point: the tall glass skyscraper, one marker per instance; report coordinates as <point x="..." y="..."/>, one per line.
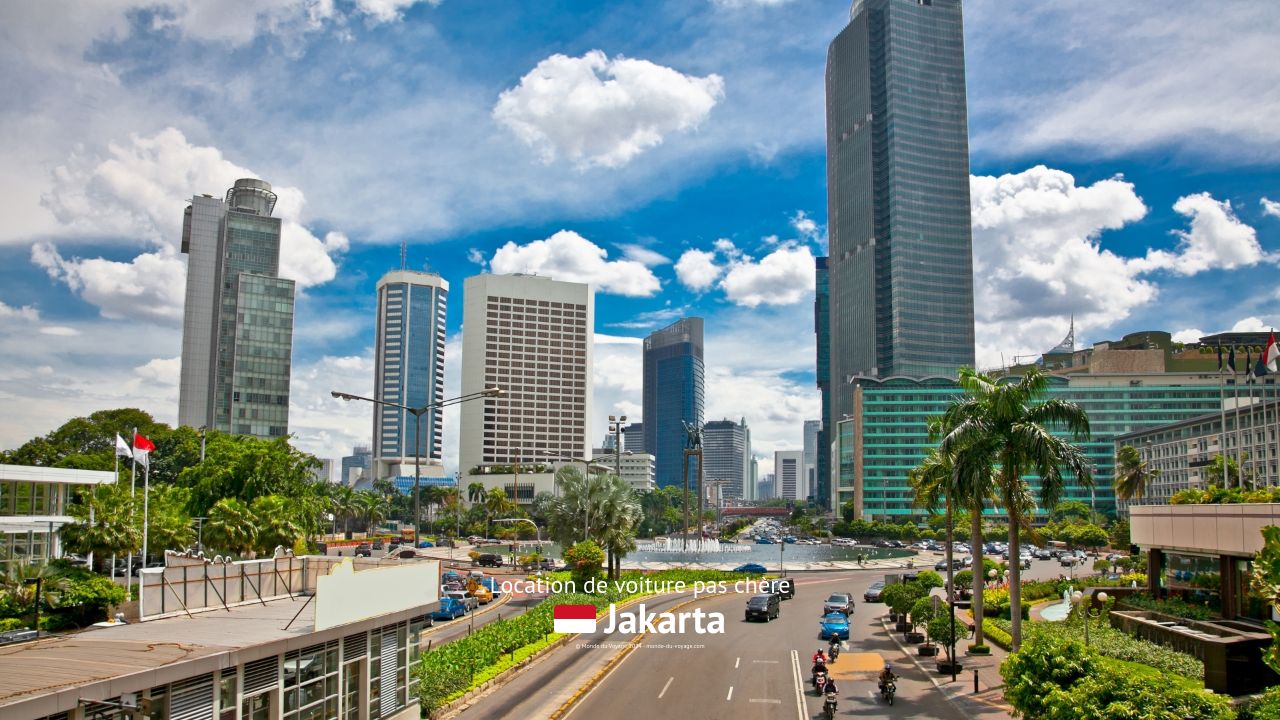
<point x="822" y="329"/>
<point x="726" y="445"/>
<point x="237" y="325"/>
<point x="673" y="394"/>
<point x="409" y="364"/>
<point x="900" y="265"/>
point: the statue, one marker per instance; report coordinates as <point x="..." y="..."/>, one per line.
<point x="693" y="433"/>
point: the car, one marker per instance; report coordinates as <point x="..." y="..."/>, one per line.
<point x="450" y="608"/>
<point x="492" y="585"/>
<point x="834" y="625"/>
<point x="452" y="576"/>
<point x="75" y="559"/>
<point x="756" y="568"/>
<point x="763" y="606"/>
<point x="137" y="568"/>
<point x="956" y="564"/>
<point x="482" y="594"/>
<point x="1068" y="560"/>
<point x="874" y="592"/>
<point x="1043" y="554"/>
<point x="426" y="544"/>
<point x="489" y="560"/>
<point x="364" y="549"/>
<point x="838" y="602"/>
<point x="784" y="588"/>
<point x="464" y="597"/>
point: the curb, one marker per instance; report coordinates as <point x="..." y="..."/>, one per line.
<point x="915" y="661"/>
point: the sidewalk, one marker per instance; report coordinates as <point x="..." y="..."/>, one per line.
<point x="986" y="704"/>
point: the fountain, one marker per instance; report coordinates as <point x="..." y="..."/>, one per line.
<point x="696" y="545"/>
<point x="1059" y="612"/>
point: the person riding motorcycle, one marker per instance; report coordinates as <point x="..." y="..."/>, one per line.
<point x="820" y="657"/>
<point x="828" y="685"/>
<point x="887" y="676"/>
<point x="833" y="648"/>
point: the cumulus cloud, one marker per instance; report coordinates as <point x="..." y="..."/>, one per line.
<point x="160" y="371"/>
<point x="384" y="11"/>
<point x="1189" y="335"/>
<point x="697" y="270"/>
<point x="595" y="111"/>
<point x="138" y="192"/>
<point x="782" y="277"/>
<point x="1217" y="240"/>
<point x="807" y="228"/>
<point x="59" y="331"/>
<point x="26" y="312"/>
<point x="475" y="256"/>
<point x="644" y="255"/>
<point x="1270" y="207"/>
<point x="567" y="255"/>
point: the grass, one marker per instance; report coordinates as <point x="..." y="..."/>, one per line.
<point x="507" y="662"/>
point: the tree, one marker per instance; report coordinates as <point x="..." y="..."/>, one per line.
<point x="584" y="560"/>
<point x="1265" y="583"/>
<point x="1119" y="534"/>
<point x="1007" y="429"/>
<point x="232" y="527"/>
<point x="1132" y="474"/>
<point x="276" y="522"/>
<point x="619" y="517"/>
<point x="1215" y="472"/>
<point x="113" y="531"/>
<point x="1071" y="511"/>
<point x="373" y="508"/>
<point x="169" y="526"/>
<point x="1088" y="535"/>
<point x="342" y="503"/>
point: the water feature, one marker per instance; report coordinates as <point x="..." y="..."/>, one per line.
<point x="1059" y="612"/>
<point x="696" y="546"/>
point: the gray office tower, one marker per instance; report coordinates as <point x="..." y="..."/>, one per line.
<point x="900" y="269"/>
<point x="237" y="325"/>
<point x="409" y="365"/>
<point x="673" y="394"/>
<point x="726" y="445"/>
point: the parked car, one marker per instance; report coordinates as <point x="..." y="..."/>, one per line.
<point x="834" y="625"/>
<point x="493" y="586"/>
<point x="547" y="564"/>
<point x="756" y="568"/>
<point x="956" y="564"/>
<point x="464" y="597"/>
<point x="489" y="560"/>
<point x="1043" y="554"/>
<point x="426" y="544"/>
<point x="838" y="602"/>
<point x="137" y="568"/>
<point x="1069" y="560"/>
<point x="784" y="588"/>
<point x="450" y="608"/>
<point x="874" y="592"/>
<point x="764" y="607"/>
<point x="481" y="593"/>
<point x="364" y="550"/>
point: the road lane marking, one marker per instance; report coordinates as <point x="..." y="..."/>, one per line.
<point x="766" y="700"/>
<point x="729" y="697"/>
<point x="736" y="662"/>
<point x="664" y="687"/>
<point x="799" y="683"/>
<point x="767" y="662"/>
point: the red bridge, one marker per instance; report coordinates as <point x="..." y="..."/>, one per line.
<point x="755" y="511"/>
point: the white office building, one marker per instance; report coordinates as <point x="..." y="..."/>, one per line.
<point x="788" y="470"/>
<point x="33" y="507"/>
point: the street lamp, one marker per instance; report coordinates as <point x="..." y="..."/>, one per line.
<point x="615" y="427"/>
<point x="991" y="576"/>
<point x="37" y="581"/>
<point x="417" y="449"/>
<point x="1077" y="598"/>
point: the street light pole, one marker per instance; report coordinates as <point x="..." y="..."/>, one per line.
<point x="417" y="450"/>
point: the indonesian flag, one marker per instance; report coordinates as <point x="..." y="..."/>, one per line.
<point x="142" y="448"/>
<point x="574" y="618"/>
<point x="122" y="447"/>
<point x="1270" y="353"/>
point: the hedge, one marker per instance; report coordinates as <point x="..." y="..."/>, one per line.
<point x="1113" y="643"/>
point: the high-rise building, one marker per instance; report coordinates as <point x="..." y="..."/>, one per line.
<point x="788" y="471"/>
<point x="753" y="485"/>
<point x="726" y="448"/>
<point x="811" y="429"/>
<point x="900" y="266"/>
<point x="409" y="369"/>
<point x="531" y="337"/>
<point x="822" y="329"/>
<point x="237" y="324"/>
<point x="356" y="466"/>
<point x="633" y="437"/>
<point x="673" y="396"/>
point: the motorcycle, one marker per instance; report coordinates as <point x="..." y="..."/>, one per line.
<point x="829" y="707"/>
<point x="887" y="691"/>
<point x="819" y="679"/>
<point x="834" y="651"/>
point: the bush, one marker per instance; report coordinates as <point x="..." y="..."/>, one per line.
<point x="922" y="612"/>
<point x="83" y="600"/>
<point x="995" y="603"/>
<point x="941" y="628"/>
<point x="928" y="579"/>
<point x="1043" y="666"/>
<point x="964" y="578"/>
<point x="995" y="634"/>
<point x="1170" y="606"/>
<point x="1115" y="695"/>
<point x="11" y="624"/>
<point x="584" y="560"/>
<point x="1114" y="643"/>
<point x="1265" y="707"/>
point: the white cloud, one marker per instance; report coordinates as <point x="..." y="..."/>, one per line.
<point x="475" y="256"/>
<point x="1189" y="335"/>
<point x="653" y="319"/>
<point x="59" y="330"/>
<point x="1217" y="240"/>
<point x="808" y="229"/>
<point x="161" y="371"/>
<point x="1270" y="207"/>
<point x="568" y="256"/>
<point x="782" y="277"/>
<point x="26" y="312"/>
<point x="736" y="4"/>
<point x="139" y="192"/>
<point x="1250" y="324"/>
<point x="321" y="424"/>
<point x="384" y="11"/>
<point x="697" y="270"/>
<point x="600" y="112"/>
<point x="1037" y="259"/>
<point x="644" y="255"/>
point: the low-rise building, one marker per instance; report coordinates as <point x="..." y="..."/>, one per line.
<point x="33" y="507"/>
<point x="639" y="470"/>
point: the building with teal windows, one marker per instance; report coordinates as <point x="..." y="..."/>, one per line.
<point x="877" y="445"/>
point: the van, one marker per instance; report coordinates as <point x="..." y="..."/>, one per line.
<point x="764" y="607"/>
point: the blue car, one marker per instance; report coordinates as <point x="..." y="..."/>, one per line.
<point x="449" y="609"/>
<point x="762" y="540"/>
<point x="751" y="568"/>
<point x="494" y="586"/>
<point x="834" y="625"/>
<point x="426" y="544"/>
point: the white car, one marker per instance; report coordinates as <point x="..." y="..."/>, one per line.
<point x="469" y="601"/>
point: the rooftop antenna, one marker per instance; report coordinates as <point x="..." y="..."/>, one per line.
<point x="404" y="254"/>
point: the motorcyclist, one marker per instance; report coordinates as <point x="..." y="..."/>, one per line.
<point x="828" y="685"/>
<point x="887" y="676"/>
<point x="833" y="647"/>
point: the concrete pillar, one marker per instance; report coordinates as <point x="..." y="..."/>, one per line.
<point x="1155" y="568"/>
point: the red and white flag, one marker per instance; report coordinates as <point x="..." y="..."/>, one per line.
<point x="1270" y="353"/>
<point x="574" y="618"/>
<point x="142" y="448"/>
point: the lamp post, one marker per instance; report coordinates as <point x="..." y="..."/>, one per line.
<point x="1077" y="598"/>
<point x="991" y="576"/>
<point x="37" y="581"/>
<point x="615" y="427"/>
<point x="417" y="450"/>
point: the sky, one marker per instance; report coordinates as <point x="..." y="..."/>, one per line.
<point x="1125" y="165"/>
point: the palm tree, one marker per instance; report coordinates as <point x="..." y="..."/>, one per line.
<point x="620" y="515"/>
<point x="277" y="523"/>
<point x="231" y="527"/>
<point x="1132" y="474"/>
<point x="373" y="507"/>
<point x="342" y="503"/>
<point x="113" y="531"/>
<point x="1006" y="427"/>
<point x="476" y="492"/>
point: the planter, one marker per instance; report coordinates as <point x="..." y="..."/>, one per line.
<point x="915" y="638"/>
<point x="979" y="650"/>
<point x="893" y="617"/>
<point x="927" y="650"/>
<point x="944" y="667"/>
<point x="902" y="626"/>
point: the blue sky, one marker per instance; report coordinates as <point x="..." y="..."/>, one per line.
<point x="1125" y="156"/>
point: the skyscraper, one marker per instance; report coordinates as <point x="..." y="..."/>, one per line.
<point x="810" y="489"/>
<point x="409" y="366"/>
<point x="237" y="324"/>
<point x="633" y="437"/>
<point x="673" y="395"/>
<point x="788" y="468"/>
<point x="822" y="329"/>
<point x="900" y="267"/>
<point x="726" y="447"/>
<point x="531" y="337"/>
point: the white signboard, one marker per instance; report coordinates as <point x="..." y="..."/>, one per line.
<point x="346" y="596"/>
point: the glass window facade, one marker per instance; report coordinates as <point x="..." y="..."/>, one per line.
<point x="672" y="396"/>
<point x="409" y="367"/>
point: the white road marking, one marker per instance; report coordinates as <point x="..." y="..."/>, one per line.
<point x="735" y="663"/>
<point x="769" y="662"/>
<point x="664" y="687"/>
<point x="729" y="697"/>
<point x="766" y="700"/>
<point x="799" y="683"/>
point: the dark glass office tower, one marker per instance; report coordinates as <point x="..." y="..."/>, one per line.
<point x="822" y="328"/>
<point x="900" y="264"/>
<point x="673" y="392"/>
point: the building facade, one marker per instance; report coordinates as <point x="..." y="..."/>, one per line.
<point x="811" y="430"/>
<point x="237" y="328"/>
<point x="532" y="337"/>
<point x="633" y="437"/>
<point x="638" y="469"/>
<point x="409" y="368"/>
<point x="822" y="329"/>
<point x="726" y="449"/>
<point x="900" y="266"/>
<point x="788" y="474"/>
<point x="33" y="507"/>
<point x="673" y="396"/>
<point x="357" y="466"/>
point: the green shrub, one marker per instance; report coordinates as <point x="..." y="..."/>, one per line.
<point x="995" y="634"/>
<point x="585" y="561"/>
<point x="1265" y="707"/>
<point x="1169" y="606"/>
<point x="922" y="612"/>
<point x="11" y="624"/>
<point x="964" y="578"/>
<point x="1116" y="695"/>
<point x="995" y="603"/>
<point x="928" y="579"/>
<point x="1043" y="666"/>
<point x="1114" y="643"/>
<point x="83" y="599"/>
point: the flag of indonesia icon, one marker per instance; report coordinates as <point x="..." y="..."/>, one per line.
<point x="574" y="618"/>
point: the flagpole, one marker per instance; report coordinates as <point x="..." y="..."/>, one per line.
<point x="146" y="516"/>
<point x="133" y="486"/>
